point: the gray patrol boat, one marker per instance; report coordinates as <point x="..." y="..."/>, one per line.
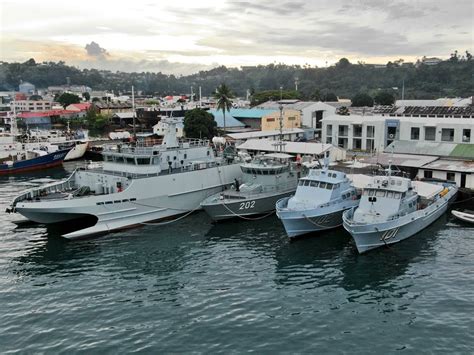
<point x="319" y="201"/>
<point x="393" y="208"/>
<point x="266" y="179"/>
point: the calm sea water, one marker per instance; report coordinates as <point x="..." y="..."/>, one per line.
<point x="231" y="288"/>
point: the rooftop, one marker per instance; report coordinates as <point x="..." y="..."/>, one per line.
<point x="265" y="145"/>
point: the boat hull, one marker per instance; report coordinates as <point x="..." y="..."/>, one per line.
<point x="146" y="199"/>
<point x="245" y="207"/>
<point x="300" y="222"/>
<point x="38" y="163"/>
<point x="77" y="151"/>
<point x="463" y="216"/>
<point x="369" y="237"/>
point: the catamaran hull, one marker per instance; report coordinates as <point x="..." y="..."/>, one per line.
<point x="77" y="151"/>
<point x="256" y="205"/>
<point x="146" y="199"/>
<point x="368" y="237"/>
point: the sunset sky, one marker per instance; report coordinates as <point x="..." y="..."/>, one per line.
<point x="182" y="37"/>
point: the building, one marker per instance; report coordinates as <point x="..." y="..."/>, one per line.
<point x="312" y="112"/>
<point x="288" y="135"/>
<point x="368" y="133"/>
<point x="231" y="123"/>
<point x="256" y="146"/>
<point x="459" y="171"/>
<point x="26" y="88"/>
<point x="80" y="109"/>
<point x="31" y="105"/>
<point x="256" y="118"/>
<point x="109" y="108"/>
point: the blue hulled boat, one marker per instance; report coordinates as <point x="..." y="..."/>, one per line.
<point x="31" y="160"/>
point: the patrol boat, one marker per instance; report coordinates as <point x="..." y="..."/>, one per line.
<point x="266" y="179"/>
<point x="319" y="201"/>
<point x="393" y="208"/>
<point x="136" y="184"/>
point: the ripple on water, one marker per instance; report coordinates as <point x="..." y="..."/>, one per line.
<point x="232" y="287"/>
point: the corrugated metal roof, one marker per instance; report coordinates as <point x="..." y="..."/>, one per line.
<point x="257" y="134"/>
<point x="229" y="120"/>
<point x="463" y="151"/>
<point x="250" y="112"/>
<point x="404" y="160"/>
<point x="451" y="165"/>
<point x="290" y="147"/>
<point x="421" y="148"/>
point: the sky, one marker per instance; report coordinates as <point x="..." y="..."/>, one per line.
<point x="183" y="37"/>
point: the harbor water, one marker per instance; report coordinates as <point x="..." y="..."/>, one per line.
<point x="232" y="287"/>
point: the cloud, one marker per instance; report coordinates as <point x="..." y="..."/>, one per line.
<point x="94" y="50"/>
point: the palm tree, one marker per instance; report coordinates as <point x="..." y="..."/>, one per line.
<point x="223" y="96"/>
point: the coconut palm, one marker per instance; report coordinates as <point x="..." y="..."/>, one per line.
<point x="223" y="96"/>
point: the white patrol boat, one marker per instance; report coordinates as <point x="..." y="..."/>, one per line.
<point x="266" y="179"/>
<point x="392" y="208"/>
<point x="136" y="184"/>
<point x="318" y="204"/>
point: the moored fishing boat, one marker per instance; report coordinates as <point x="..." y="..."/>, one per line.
<point x="31" y="160"/>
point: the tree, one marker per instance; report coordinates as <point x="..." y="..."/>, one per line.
<point x="273" y="95"/>
<point x="199" y="123"/>
<point x="384" y="98"/>
<point x="362" y="99"/>
<point x="67" y="99"/>
<point x="223" y="96"/>
<point x="330" y="96"/>
<point x="343" y="63"/>
<point x="86" y="96"/>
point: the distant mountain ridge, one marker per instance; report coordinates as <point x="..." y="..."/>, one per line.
<point x="448" y="78"/>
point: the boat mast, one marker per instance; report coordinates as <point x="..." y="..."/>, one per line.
<point x="280" y="144"/>
<point x="133" y="114"/>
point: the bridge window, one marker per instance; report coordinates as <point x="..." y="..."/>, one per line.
<point x="322" y="185"/>
<point x="329" y="186"/>
<point x="143" y="161"/>
<point x="380" y="193"/>
<point x="314" y="183"/>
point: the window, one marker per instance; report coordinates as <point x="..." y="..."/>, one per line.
<point x="306" y="183"/>
<point x="314" y="184"/>
<point x="450" y="176"/>
<point x="328" y="186"/>
<point x="329" y="140"/>
<point x="322" y="185"/>
<point x="430" y="133"/>
<point x="447" y="134"/>
<point x="415" y="133"/>
<point x="390" y="194"/>
<point x="380" y="193"/>
<point x="396" y="195"/>
<point x="466" y="135"/>
<point x="291" y="118"/>
<point x="343" y="130"/>
<point x="427" y="174"/>
<point x="271" y="119"/>
<point x="357" y="130"/>
<point x="357" y="143"/>
<point x="143" y="161"/>
<point x="329" y="130"/>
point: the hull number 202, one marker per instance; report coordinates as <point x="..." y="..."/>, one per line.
<point x="247" y="205"/>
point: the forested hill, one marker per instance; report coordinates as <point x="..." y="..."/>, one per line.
<point x="449" y="78"/>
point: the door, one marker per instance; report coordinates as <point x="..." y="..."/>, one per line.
<point x="463" y="179"/>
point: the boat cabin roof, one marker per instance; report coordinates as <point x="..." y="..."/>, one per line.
<point x="325" y="175"/>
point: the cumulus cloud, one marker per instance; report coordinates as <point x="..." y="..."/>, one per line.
<point x="94" y="50"/>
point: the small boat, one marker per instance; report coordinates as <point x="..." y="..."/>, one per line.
<point x="266" y="179"/>
<point x="318" y="204"/>
<point x="31" y="160"/>
<point x="465" y="215"/>
<point x="394" y="208"/>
